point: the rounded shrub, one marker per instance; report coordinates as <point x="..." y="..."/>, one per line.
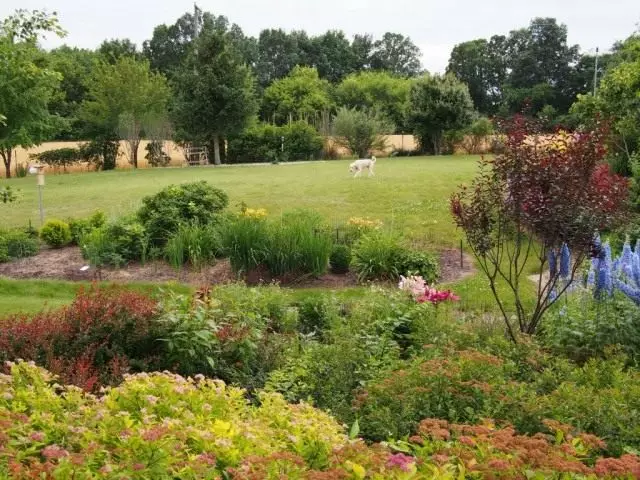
<point x="56" y="233"/>
<point x="378" y="256"/>
<point x="419" y="263"/>
<point x="193" y="203"/>
<point x="340" y="259"/>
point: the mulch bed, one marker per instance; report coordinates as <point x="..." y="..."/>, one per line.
<point x="66" y="264"/>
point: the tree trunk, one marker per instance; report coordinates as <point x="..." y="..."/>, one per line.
<point x="135" y="144"/>
<point x="6" y="156"/>
<point x="216" y="149"/>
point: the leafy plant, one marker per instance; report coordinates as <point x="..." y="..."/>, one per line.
<point x="195" y="244"/>
<point x="419" y="263"/>
<point x="244" y="241"/>
<point x="18" y="244"/>
<point x="59" y="157"/>
<point x="360" y="132"/>
<point x="56" y="233"/>
<point x="378" y="256"/>
<point x="163" y="213"/>
<point x="156" y="155"/>
<point x="116" y="243"/>
<point x="81" y="227"/>
<point x="340" y="259"/>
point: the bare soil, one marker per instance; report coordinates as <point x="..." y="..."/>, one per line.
<point x="67" y="264"/>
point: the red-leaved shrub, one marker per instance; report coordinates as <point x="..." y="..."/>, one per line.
<point x="104" y="333"/>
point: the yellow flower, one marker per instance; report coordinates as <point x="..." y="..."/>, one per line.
<point x="357" y="469"/>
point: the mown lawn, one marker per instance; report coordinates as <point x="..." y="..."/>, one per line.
<point x="410" y="195"/>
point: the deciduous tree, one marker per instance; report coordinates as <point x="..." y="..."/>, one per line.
<point x="359" y="131"/>
<point x="397" y="54"/>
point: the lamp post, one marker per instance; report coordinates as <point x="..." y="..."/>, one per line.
<point x="38" y="170"/>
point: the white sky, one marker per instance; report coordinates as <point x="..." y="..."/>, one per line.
<point x="434" y="25"/>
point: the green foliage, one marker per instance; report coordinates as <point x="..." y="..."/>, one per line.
<point x="56" y="233"/>
<point x="101" y="152"/>
<point x="301" y="96"/>
<point x="26" y="85"/>
<point x="22" y="170"/>
<point x="396" y="54"/>
<point x="194" y="244"/>
<point x="378" y="256"/>
<point x="265" y="142"/>
<point x="59" y="157"/>
<point x="419" y="263"/>
<point x="16" y="244"/>
<point x="340" y="259"/>
<point x="359" y="131"/>
<point x="438" y="104"/>
<point x="477" y="134"/>
<point x="163" y="213"/>
<point x="244" y="241"/>
<point x="116" y="243"/>
<point x="215" y="91"/>
<point x="155" y="154"/>
<point x="82" y="226"/>
<point x="7" y="195"/>
<point x="125" y="91"/>
<point x="584" y="328"/>
<point x="379" y="92"/>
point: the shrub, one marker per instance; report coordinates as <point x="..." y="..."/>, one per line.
<point x="59" y="157"/>
<point x="101" y="152"/>
<point x="195" y="244"/>
<point x="220" y="435"/>
<point x="82" y="226"/>
<point x="163" y="213"/>
<point x="340" y="259"/>
<point x="101" y="335"/>
<point x="360" y="131"/>
<point x="419" y="263"/>
<point x="116" y="243"/>
<point x="17" y="244"/>
<point x="22" y="170"/>
<point x="378" y="256"/>
<point x="56" y="233"/>
<point x="236" y="345"/>
<point x="264" y="143"/>
<point x="155" y="155"/>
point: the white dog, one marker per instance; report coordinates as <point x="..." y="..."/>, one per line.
<point x="359" y="165"/>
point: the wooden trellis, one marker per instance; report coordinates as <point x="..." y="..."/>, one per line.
<point x="196" y="156"/>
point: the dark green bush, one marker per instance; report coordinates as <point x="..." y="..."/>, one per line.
<point x="59" y="157"/>
<point x="264" y="143"/>
<point x="192" y="203"/>
<point x="194" y="244"/>
<point x="116" y="243"/>
<point x="56" y="233"/>
<point x="340" y="259"/>
<point x="244" y="241"/>
<point x="155" y="155"/>
<point x="4" y="250"/>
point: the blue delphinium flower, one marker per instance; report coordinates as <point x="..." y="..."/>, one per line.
<point x="627" y="256"/>
<point x="608" y="265"/>
<point x="636" y="249"/>
<point x="553" y="263"/>
<point x="591" y="277"/>
<point x="565" y="261"/>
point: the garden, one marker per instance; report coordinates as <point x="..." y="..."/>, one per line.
<point x="452" y="317"/>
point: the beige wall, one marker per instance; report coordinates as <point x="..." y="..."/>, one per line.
<point x="21" y="155"/>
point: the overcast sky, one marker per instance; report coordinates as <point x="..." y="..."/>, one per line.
<point x="434" y="25"/>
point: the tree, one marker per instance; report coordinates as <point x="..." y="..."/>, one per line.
<point x="476" y="134"/>
<point x="126" y="93"/>
<point x="481" y="65"/>
<point x="75" y="66"/>
<point x="214" y="92"/>
<point x="438" y="104"/>
<point x="397" y="54"/>
<point x="26" y="87"/>
<point x="331" y="54"/>
<point x="527" y="205"/>
<point x="278" y="53"/>
<point x="113" y="50"/>
<point x="359" y="131"/>
<point x="299" y="96"/>
<point x="379" y="92"/>
<point x="363" y="47"/>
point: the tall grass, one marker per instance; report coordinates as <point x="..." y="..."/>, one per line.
<point x="194" y="244"/>
<point x="378" y="256"/>
<point x="296" y="243"/>
<point x="244" y="241"/>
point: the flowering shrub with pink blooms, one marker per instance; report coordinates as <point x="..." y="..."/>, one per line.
<point x="163" y="426"/>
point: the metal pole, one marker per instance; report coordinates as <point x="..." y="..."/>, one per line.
<point x="41" y="207"/>
<point x="461" y="256"/>
<point x="595" y="75"/>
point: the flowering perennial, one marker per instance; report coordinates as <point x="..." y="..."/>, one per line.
<point x="423" y="293"/>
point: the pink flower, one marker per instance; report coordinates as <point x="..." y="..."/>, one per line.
<point x="402" y="461"/>
<point x="37" y="436"/>
<point x="436" y="296"/>
<point x="138" y="466"/>
<point x="54" y="451"/>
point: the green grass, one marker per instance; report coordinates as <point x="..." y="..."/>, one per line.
<point x="410" y="194"/>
